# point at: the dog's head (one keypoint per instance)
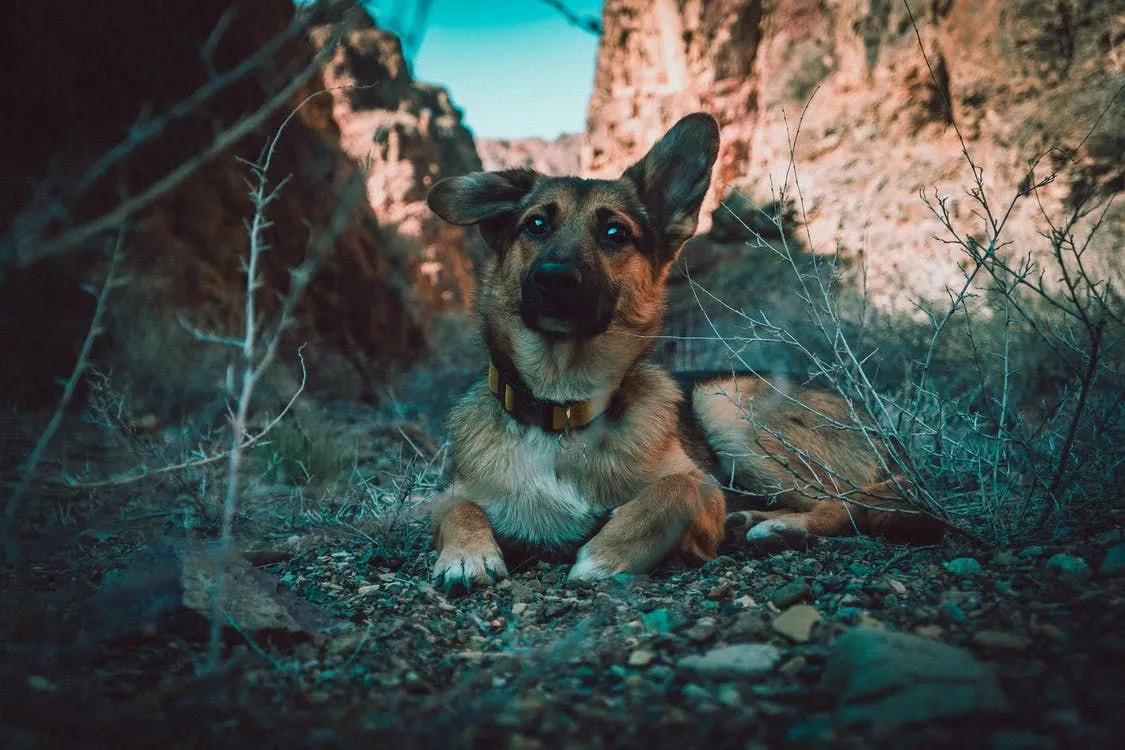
(574, 256)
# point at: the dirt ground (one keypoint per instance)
(533, 663)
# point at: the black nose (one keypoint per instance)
(557, 278)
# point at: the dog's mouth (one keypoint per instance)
(564, 323)
(563, 301)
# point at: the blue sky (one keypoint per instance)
(515, 67)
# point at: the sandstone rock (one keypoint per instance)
(746, 661)
(796, 623)
(170, 584)
(883, 677)
(409, 135)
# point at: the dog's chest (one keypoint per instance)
(539, 491)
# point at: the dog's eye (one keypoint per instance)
(616, 234)
(536, 225)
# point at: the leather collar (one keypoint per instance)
(551, 416)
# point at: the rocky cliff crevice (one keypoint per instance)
(378, 290)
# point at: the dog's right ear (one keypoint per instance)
(484, 198)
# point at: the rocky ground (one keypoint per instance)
(336, 638)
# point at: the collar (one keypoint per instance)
(550, 416)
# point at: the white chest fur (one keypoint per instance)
(527, 497)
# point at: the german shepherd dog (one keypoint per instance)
(576, 443)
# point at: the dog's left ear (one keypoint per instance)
(484, 198)
(674, 176)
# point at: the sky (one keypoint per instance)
(516, 68)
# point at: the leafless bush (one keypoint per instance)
(1009, 415)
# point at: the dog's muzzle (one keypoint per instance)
(563, 298)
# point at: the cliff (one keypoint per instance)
(845, 85)
(371, 303)
(561, 156)
(407, 135)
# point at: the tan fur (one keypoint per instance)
(631, 487)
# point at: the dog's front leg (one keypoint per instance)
(467, 551)
(683, 510)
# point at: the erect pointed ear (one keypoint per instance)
(480, 196)
(674, 176)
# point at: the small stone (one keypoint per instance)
(722, 591)
(791, 593)
(41, 684)
(746, 661)
(702, 631)
(1113, 565)
(1005, 558)
(954, 613)
(641, 658)
(999, 640)
(794, 666)
(896, 586)
(796, 623)
(663, 621)
(368, 590)
(867, 621)
(521, 592)
(932, 632)
(729, 696)
(745, 602)
(963, 566)
(752, 625)
(519, 608)
(1069, 568)
(884, 677)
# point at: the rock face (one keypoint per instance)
(381, 284)
(408, 135)
(559, 157)
(882, 677)
(1020, 78)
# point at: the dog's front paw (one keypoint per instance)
(458, 572)
(777, 535)
(590, 567)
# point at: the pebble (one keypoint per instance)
(954, 612)
(702, 631)
(663, 620)
(519, 608)
(796, 623)
(791, 593)
(745, 660)
(1069, 568)
(729, 696)
(963, 566)
(641, 658)
(1113, 565)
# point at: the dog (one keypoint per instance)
(575, 443)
